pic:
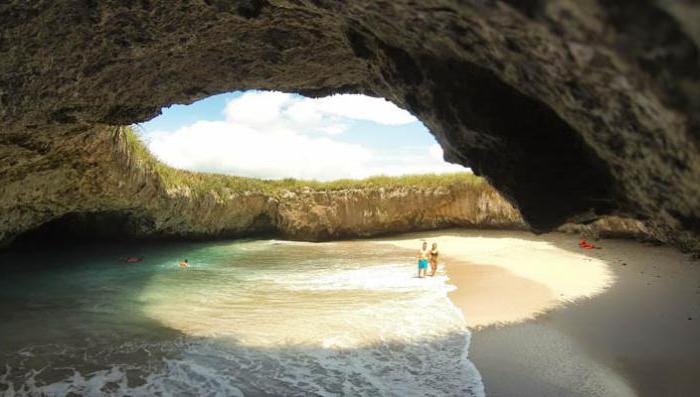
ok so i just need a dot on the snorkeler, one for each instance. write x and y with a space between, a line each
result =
423 255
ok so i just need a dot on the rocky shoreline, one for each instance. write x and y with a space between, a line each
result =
109 190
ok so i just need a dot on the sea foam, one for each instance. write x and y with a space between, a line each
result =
275 321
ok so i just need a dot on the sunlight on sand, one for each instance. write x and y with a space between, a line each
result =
509 279
305 296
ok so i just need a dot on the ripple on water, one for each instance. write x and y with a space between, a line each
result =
247 318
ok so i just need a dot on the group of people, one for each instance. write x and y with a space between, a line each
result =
427 257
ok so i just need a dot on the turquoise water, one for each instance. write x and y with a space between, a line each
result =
252 318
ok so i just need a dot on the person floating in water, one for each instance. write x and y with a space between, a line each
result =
184 263
423 255
434 256
132 259
586 245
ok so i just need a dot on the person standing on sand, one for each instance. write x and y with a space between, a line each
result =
434 256
423 255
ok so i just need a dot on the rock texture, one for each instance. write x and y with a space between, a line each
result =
107 192
572 109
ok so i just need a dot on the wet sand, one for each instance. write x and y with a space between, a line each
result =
551 319
493 295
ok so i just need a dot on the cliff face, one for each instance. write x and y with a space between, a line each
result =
366 212
571 109
109 191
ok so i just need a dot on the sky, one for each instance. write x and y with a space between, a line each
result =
274 135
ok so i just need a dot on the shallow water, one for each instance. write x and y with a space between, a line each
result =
251 318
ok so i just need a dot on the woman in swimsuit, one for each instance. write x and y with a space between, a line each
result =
434 256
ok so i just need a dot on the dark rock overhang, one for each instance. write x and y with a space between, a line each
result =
572 110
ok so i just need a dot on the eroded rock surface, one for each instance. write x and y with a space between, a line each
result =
108 192
572 109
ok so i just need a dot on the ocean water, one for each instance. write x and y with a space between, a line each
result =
247 318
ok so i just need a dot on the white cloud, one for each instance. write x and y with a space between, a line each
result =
328 114
257 107
358 107
436 152
275 135
241 150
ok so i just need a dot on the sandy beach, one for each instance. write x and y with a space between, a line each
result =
551 319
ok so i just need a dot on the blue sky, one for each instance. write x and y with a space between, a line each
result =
274 135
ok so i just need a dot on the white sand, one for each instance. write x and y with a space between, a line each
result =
523 276
639 337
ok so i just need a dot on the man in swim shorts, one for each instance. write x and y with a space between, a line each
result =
423 256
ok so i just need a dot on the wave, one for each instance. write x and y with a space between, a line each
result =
275 322
225 368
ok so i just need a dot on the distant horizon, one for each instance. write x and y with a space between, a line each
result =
274 135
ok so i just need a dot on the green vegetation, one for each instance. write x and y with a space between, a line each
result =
202 182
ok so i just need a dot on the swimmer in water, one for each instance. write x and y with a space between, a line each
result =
184 263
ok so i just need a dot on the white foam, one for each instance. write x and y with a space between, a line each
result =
386 277
336 328
225 368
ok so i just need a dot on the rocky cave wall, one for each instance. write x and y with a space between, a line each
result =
572 109
108 191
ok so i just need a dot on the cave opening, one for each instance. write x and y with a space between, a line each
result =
84 228
572 111
262 136
88 228
276 135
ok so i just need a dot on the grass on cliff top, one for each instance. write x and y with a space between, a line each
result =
201 182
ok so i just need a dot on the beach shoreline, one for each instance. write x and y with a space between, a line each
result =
551 319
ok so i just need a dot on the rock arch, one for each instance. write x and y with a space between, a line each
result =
571 109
